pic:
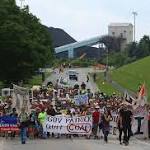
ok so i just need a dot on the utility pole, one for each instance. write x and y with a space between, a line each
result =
134 17
107 65
21 3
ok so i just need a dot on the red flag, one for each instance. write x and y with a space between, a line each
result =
142 96
142 91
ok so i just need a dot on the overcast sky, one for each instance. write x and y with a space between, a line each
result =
84 19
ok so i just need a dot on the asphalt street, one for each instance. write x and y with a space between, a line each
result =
74 144
83 72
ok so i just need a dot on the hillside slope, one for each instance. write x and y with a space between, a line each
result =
132 75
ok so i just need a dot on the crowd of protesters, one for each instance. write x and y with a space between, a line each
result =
53 100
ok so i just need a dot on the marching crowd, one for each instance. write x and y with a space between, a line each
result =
54 100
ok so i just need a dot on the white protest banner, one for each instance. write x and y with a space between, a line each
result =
69 125
81 99
20 97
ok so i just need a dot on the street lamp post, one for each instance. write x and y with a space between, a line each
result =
21 3
134 17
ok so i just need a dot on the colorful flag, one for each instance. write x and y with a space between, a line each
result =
142 95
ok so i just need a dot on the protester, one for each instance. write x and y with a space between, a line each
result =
50 110
106 118
87 78
23 123
33 126
119 124
42 118
126 116
96 120
83 86
94 77
14 114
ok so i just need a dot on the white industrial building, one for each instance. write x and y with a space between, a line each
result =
123 30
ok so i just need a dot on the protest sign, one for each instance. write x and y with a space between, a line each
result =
81 99
8 123
20 97
69 125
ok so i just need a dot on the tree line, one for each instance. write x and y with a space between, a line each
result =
132 52
25 44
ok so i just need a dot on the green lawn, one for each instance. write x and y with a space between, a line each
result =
130 76
105 86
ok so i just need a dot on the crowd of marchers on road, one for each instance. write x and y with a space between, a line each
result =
52 100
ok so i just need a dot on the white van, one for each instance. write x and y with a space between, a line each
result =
73 75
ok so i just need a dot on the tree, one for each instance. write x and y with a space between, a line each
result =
144 47
139 50
132 49
112 43
25 44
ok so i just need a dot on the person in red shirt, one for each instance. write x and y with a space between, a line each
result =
96 120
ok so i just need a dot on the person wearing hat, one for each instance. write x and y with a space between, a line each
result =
96 121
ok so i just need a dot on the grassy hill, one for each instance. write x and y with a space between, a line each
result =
105 86
130 76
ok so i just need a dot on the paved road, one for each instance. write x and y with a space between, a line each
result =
75 144
82 77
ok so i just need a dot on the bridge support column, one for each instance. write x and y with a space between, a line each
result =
71 53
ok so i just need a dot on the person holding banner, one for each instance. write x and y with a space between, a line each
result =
42 118
96 120
23 120
14 114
